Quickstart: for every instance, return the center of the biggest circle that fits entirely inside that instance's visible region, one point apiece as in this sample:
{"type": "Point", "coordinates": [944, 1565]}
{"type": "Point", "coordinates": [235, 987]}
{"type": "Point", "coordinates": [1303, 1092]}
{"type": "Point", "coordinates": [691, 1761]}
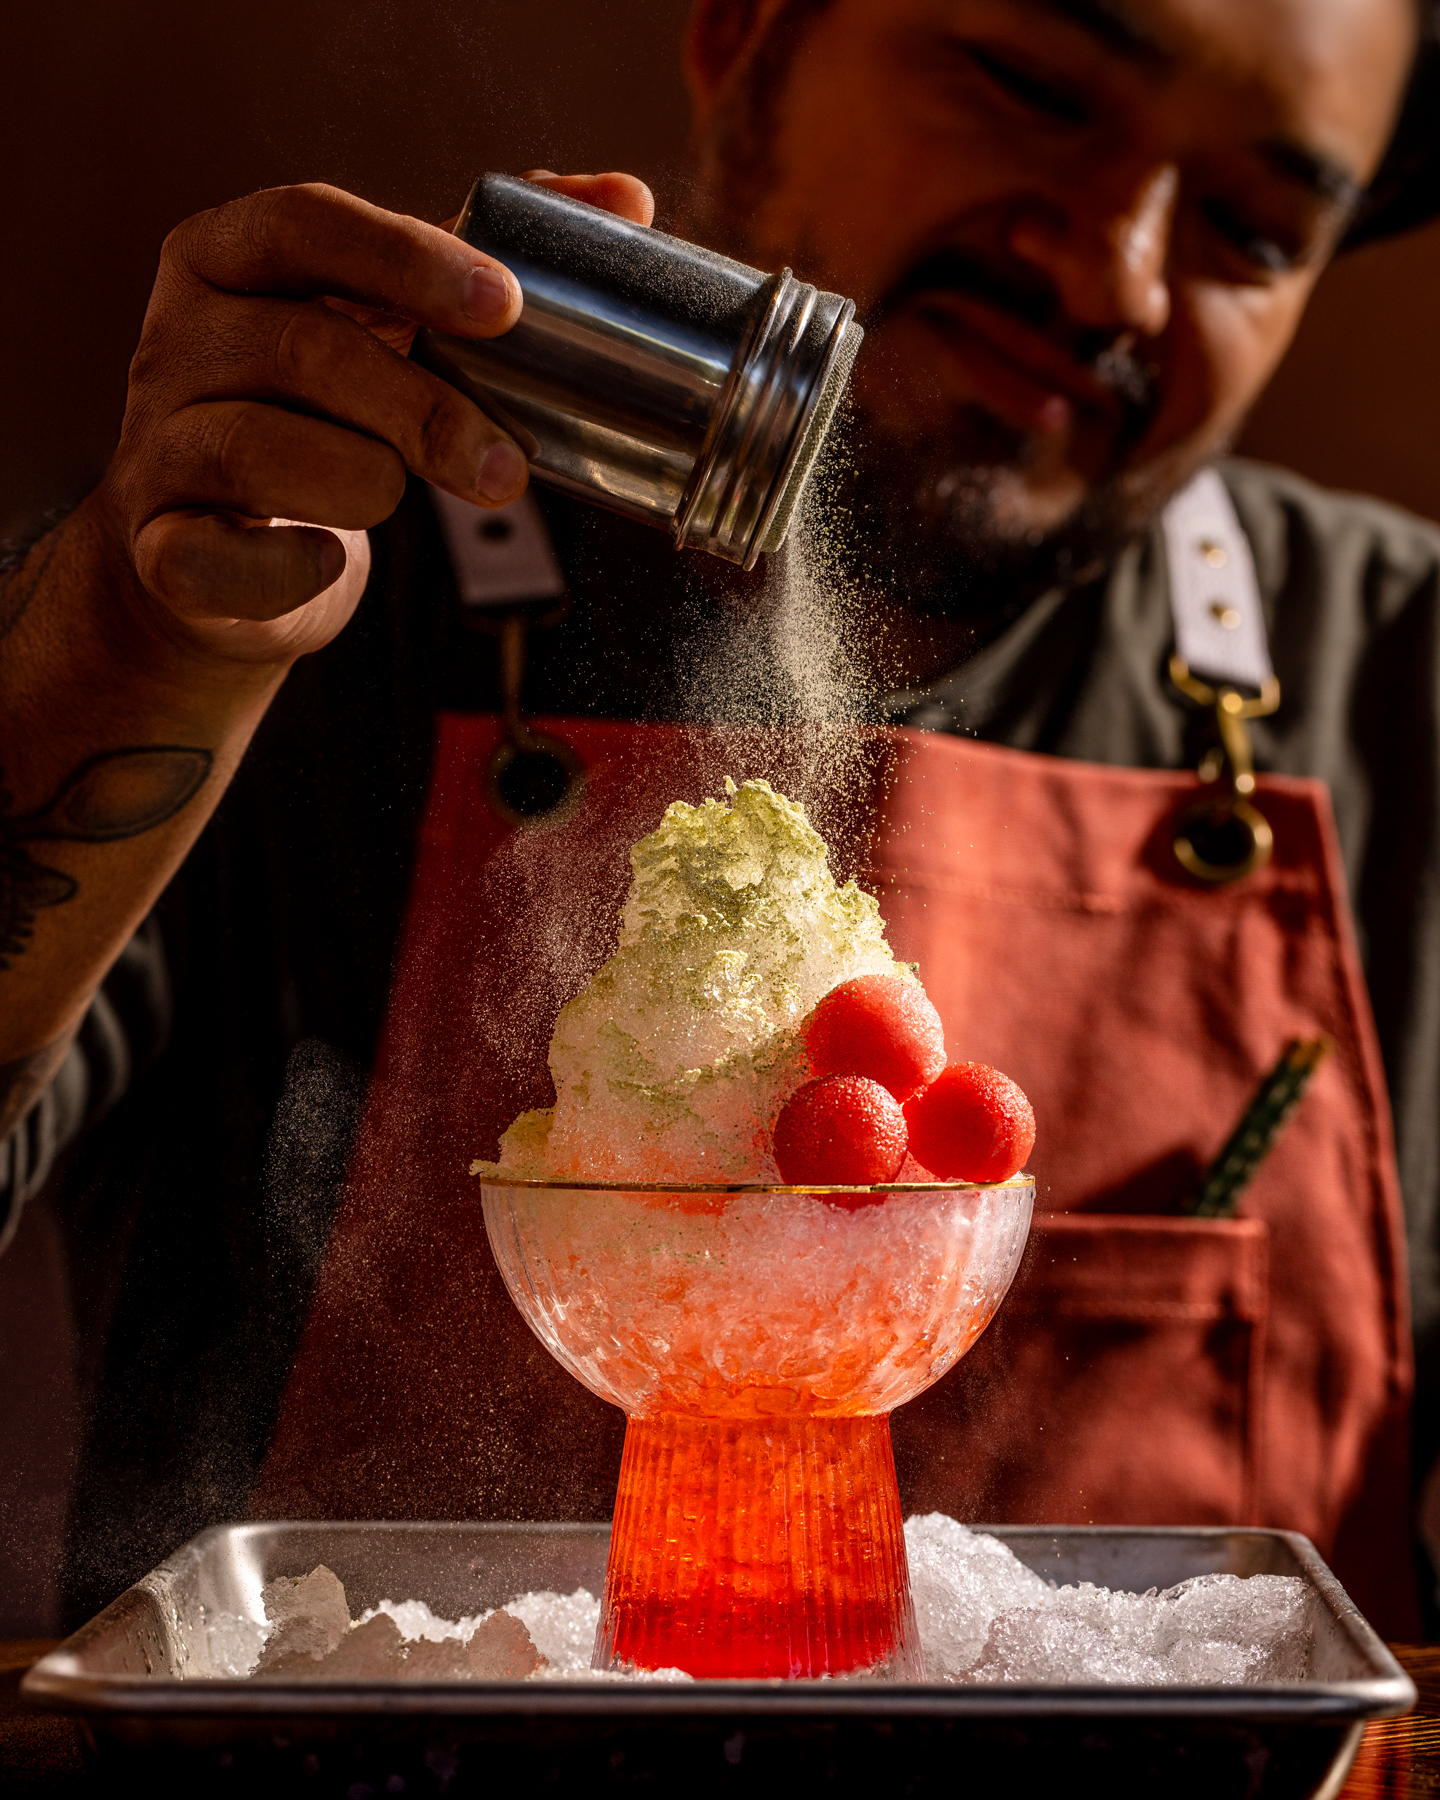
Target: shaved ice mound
{"type": "Point", "coordinates": [672, 1062]}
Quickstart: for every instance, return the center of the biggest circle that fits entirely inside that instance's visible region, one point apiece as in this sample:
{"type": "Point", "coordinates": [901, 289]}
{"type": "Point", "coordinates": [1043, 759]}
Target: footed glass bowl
{"type": "Point", "coordinates": [757, 1338]}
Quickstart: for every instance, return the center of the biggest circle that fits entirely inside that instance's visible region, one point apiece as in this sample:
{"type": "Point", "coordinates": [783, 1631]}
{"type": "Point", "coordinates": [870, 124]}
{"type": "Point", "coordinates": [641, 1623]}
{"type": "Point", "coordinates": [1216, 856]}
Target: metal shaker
{"type": "Point", "coordinates": [649, 375]}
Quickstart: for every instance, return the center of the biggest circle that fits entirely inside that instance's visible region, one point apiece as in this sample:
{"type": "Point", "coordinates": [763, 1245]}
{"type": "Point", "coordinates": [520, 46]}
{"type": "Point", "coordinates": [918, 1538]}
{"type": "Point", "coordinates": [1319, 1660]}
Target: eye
{"type": "Point", "coordinates": [1034, 91]}
{"type": "Point", "coordinates": [1258, 249]}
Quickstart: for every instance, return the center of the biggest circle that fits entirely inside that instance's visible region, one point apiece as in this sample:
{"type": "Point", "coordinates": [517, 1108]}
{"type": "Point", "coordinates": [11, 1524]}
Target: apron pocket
{"type": "Point", "coordinates": [1119, 1383]}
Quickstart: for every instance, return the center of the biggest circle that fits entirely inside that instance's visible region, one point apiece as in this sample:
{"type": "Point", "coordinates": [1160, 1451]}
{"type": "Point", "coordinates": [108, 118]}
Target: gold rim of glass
{"type": "Point", "coordinates": [1019, 1180]}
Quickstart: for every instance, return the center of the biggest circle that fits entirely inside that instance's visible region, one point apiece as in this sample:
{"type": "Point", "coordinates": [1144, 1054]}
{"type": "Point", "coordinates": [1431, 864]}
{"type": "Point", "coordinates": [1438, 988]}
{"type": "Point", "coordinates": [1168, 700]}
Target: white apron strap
{"type": "Point", "coordinates": [1214, 593]}
{"type": "Point", "coordinates": [501, 555]}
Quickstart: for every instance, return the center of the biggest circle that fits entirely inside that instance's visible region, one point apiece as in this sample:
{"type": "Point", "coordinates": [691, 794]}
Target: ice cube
{"type": "Point", "coordinates": [961, 1580]}
{"type": "Point", "coordinates": [309, 1615]}
{"type": "Point", "coordinates": [405, 1640]}
{"type": "Point", "coordinates": [416, 1620]}
{"type": "Point", "coordinates": [374, 1651]}
{"type": "Point", "coordinates": [499, 1648]}
{"type": "Point", "coordinates": [234, 1642]}
{"type": "Point", "coordinates": [427, 1660]}
{"type": "Point", "coordinates": [293, 1648]}
{"type": "Point", "coordinates": [561, 1626]}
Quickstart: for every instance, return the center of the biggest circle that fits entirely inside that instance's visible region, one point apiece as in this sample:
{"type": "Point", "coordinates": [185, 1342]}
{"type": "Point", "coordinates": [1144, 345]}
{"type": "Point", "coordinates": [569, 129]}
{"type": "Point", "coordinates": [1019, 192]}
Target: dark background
{"type": "Point", "coordinates": [121, 119]}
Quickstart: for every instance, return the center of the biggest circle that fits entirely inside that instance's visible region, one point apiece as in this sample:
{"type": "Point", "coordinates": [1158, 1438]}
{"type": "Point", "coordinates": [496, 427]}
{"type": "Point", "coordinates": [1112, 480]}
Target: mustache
{"type": "Point", "coordinates": [1106, 353]}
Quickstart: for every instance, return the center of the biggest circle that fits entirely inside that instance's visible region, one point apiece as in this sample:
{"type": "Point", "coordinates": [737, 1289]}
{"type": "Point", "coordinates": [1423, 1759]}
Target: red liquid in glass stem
{"type": "Point", "coordinates": [758, 1547]}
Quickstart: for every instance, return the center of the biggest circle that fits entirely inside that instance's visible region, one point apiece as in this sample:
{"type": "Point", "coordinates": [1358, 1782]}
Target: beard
{"type": "Point", "coordinates": [932, 518]}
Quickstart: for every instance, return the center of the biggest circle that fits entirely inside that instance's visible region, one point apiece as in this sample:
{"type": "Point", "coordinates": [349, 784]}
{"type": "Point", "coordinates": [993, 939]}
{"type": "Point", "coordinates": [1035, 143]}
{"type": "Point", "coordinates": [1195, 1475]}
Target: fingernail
{"type": "Point", "coordinates": [487, 295]}
{"type": "Point", "coordinates": [333, 559]}
{"type": "Point", "coordinates": [501, 474]}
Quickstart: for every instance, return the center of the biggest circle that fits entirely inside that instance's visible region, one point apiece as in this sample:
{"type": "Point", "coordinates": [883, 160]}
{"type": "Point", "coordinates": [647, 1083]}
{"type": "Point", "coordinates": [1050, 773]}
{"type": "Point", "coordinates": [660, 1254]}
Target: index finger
{"type": "Point", "coordinates": [311, 240]}
{"type": "Point", "coordinates": [626, 195]}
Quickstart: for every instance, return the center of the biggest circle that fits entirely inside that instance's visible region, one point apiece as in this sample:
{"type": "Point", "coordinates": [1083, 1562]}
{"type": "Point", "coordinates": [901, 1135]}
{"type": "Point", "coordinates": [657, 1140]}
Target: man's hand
{"type": "Point", "coordinates": [146, 636]}
{"type": "Point", "coordinates": [272, 385]}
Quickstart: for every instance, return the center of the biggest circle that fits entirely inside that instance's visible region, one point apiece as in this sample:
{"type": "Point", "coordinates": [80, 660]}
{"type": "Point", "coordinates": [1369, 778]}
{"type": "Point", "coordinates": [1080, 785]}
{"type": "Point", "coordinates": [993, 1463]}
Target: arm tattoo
{"type": "Point", "coordinates": [118, 794]}
{"type": "Point", "coordinates": [16, 592]}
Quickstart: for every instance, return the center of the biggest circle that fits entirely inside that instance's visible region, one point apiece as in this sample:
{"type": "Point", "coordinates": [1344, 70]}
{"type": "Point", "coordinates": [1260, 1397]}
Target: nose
{"type": "Point", "coordinates": [1107, 259]}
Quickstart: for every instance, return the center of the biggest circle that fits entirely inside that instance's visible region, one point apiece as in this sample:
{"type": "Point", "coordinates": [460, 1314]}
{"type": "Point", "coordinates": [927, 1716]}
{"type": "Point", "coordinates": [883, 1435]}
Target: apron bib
{"type": "Point", "coordinates": [1146, 1368]}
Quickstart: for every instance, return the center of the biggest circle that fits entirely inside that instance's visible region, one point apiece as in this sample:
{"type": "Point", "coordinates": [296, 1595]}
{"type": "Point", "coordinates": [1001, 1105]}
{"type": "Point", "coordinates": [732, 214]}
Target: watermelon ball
{"type": "Point", "coordinates": [840, 1131]}
{"type": "Point", "coordinates": [879, 1026]}
{"type": "Point", "coordinates": [971, 1124]}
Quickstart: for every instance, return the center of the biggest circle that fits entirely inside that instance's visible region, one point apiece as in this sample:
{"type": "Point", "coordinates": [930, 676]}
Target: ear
{"type": "Point", "coordinates": [721, 37]}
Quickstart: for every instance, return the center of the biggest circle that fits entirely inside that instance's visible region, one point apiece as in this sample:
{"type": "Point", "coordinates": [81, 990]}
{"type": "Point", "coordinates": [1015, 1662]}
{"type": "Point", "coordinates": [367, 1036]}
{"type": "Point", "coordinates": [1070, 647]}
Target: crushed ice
{"type": "Point", "coordinates": [676, 1055]}
{"type": "Point", "coordinates": [536, 1636]}
{"type": "Point", "coordinates": [983, 1617]}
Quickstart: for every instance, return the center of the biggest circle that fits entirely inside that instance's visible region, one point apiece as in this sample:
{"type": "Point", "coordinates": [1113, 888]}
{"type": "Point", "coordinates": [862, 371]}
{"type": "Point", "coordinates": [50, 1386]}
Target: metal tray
{"type": "Point", "coordinates": [137, 1675]}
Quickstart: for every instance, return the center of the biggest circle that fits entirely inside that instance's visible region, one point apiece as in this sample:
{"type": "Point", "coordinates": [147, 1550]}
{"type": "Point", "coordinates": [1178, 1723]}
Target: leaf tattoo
{"type": "Point", "coordinates": [117, 794]}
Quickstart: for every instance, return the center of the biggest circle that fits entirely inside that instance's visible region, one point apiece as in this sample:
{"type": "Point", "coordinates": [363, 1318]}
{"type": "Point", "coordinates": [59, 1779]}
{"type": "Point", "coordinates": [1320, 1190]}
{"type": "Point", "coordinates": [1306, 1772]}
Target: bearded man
{"type": "Point", "coordinates": [1081, 234]}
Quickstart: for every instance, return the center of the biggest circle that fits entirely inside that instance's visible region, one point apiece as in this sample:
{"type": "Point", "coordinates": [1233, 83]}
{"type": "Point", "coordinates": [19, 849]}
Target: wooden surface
{"type": "Point", "coordinates": [40, 1752]}
{"type": "Point", "coordinates": [1400, 1757]}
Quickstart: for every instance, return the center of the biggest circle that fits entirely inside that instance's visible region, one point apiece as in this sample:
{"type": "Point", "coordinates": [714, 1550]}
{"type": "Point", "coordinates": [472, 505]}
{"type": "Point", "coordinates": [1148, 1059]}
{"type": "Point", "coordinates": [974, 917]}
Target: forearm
{"type": "Point", "coordinates": [142, 642]}
{"type": "Point", "coordinates": [117, 739]}
{"type": "Point", "coordinates": [124, 1029]}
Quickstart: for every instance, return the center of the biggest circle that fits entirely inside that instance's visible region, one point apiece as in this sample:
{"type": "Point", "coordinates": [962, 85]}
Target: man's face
{"type": "Point", "coordinates": [1080, 234]}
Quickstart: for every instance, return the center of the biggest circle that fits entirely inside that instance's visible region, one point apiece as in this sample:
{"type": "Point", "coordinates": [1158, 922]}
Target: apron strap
{"type": "Point", "coordinates": [1214, 593]}
{"type": "Point", "coordinates": [502, 555]}
{"type": "Point", "coordinates": [509, 581]}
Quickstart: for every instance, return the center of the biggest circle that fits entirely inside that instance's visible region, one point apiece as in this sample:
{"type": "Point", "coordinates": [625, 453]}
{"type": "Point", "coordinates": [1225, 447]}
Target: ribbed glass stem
{"type": "Point", "coordinates": [758, 1547]}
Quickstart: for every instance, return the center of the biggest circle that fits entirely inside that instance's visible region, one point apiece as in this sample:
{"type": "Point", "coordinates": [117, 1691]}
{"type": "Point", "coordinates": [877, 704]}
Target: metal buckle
{"type": "Point", "coordinates": [1225, 837]}
{"type": "Point", "coordinates": [532, 778]}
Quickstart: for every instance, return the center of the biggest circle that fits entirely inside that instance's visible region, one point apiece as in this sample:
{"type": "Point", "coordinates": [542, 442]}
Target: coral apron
{"type": "Point", "coordinates": [1146, 1368]}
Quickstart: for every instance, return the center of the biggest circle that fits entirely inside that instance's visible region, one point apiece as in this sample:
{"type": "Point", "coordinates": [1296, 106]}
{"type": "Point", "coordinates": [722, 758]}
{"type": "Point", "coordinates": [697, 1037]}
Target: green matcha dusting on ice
{"type": "Point", "coordinates": [673, 1061]}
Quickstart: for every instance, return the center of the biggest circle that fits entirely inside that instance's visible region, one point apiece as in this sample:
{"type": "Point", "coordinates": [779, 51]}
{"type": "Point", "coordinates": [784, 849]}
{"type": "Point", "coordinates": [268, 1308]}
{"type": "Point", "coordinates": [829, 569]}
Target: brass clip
{"type": "Point", "coordinates": [533, 778]}
{"type": "Point", "coordinates": [1225, 837]}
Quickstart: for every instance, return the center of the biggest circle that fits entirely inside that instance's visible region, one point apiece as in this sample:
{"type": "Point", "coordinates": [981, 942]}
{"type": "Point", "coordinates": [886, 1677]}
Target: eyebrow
{"type": "Point", "coordinates": [1115, 26]}
{"type": "Point", "coordinates": [1313, 169]}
